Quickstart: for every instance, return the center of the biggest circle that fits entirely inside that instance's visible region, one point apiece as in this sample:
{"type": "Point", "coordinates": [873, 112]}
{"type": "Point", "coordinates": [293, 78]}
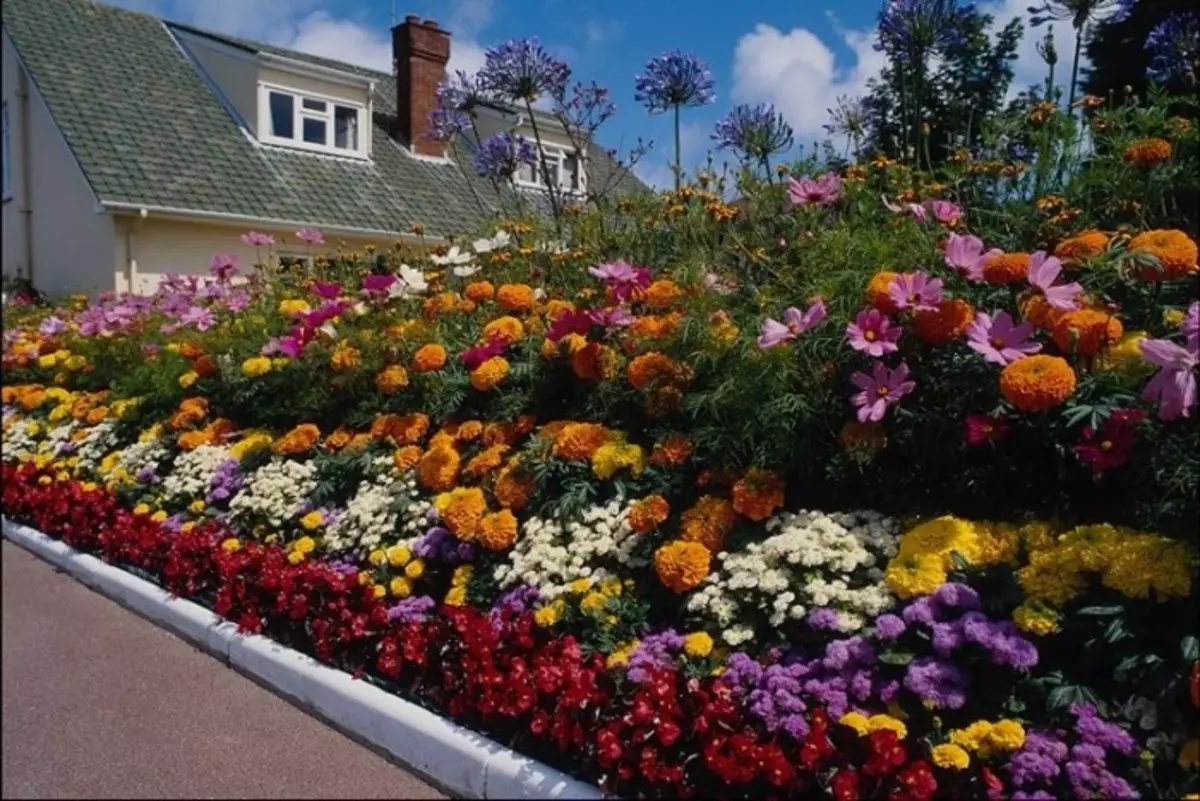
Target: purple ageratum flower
{"type": "Point", "coordinates": [757, 132]}
{"type": "Point", "coordinates": [872, 333]}
{"type": "Point", "coordinates": [889, 627]}
{"type": "Point", "coordinates": [257, 239]}
{"type": "Point", "coordinates": [1000, 341]}
{"type": "Point", "coordinates": [938, 682]}
{"type": "Point", "coordinates": [823, 191]}
{"type": "Point", "coordinates": [823, 619]}
{"type": "Point", "coordinates": [655, 650]}
{"type": "Point", "coordinates": [1174, 385]}
{"type": "Point", "coordinates": [1043, 272]}
{"type": "Point", "coordinates": [795, 323]}
{"type": "Point", "coordinates": [1174, 47]}
{"type": "Point", "coordinates": [523, 70]}
{"type": "Point", "coordinates": [438, 544]}
{"type": "Point", "coordinates": [517, 601]}
{"type": "Point", "coordinates": [310, 236]}
{"type": "Point", "coordinates": [411, 610]}
{"type": "Point", "coordinates": [882, 388]}
{"type": "Point", "coordinates": [965, 254]}
{"type": "Point", "coordinates": [953, 595]}
{"type": "Point", "coordinates": [1096, 731]}
{"type": "Point", "coordinates": [673, 80]}
{"type": "Point", "coordinates": [499, 155]}
{"type": "Point", "coordinates": [915, 291]}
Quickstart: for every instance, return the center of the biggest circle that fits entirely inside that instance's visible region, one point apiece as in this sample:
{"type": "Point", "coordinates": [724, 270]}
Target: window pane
{"type": "Point", "coordinates": [345, 127]}
{"type": "Point", "coordinates": [571, 168]}
{"type": "Point", "coordinates": [525, 172]}
{"type": "Point", "coordinates": [314, 131]}
{"type": "Point", "coordinates": [314, 105]}
{"type": "Point", "coordinates": [283, 119]}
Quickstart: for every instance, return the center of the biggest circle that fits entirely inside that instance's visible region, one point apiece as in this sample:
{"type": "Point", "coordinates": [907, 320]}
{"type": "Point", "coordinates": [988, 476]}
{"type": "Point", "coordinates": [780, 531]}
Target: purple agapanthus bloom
{"type": "Point", "coordinates": [919, 26]}
{"type": "Point", "coordinates": [674, 80]}
{"type": "Point", "coordinates": [1174, 47]}
{"type": "Point", "coordinates": [757, 132]}
{"type": "Point", "coordinates": [499, 155]}
{"type": "Point", "coordinates": [523, 70]}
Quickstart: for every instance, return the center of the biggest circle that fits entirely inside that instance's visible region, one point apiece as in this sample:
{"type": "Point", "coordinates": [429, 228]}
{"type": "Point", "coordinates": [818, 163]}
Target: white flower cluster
{"type": "Point", "coordinates": [149, 454]}
{"type": "Point", "coordinates": [274, 493]}
{"type": "Point", "coordinates": [19, 438]}
{"type": "Point", "coordinates": [100, 440]}
{"type": "Point", "coordinates": [193, 472]}
{"type": "Point", "coordinates": [384, 504]}
{"type": "Point", "coordinates": [57, 436]}
{"type": "Point", "coordinates": [811, 561]}
{"type": "Point", "coordinates": [550, 555]}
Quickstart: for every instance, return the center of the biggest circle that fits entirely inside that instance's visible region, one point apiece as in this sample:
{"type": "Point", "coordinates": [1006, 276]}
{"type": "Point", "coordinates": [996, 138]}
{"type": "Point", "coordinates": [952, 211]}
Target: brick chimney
{"type": "Point", "coordinates": [421, 51]}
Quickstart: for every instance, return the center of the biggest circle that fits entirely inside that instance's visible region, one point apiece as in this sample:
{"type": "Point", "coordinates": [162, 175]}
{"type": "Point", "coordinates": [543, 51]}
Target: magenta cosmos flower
{"type": "Point", "coordinates": [965, 254]}
{"type": "Point", "coordinates": [1191, 327]}
{"type": "Point", "coordinates": [622, 277]}
{"type": "Point", "coordinates": [1174, 385]}
{"type": "Point", "coordinates": [944, 211]}
{"type": "Point", "coordinates": [872, 333]}
{"type": "Point", "coordinates": [257, 239]}
{"type": "Point", "coordinates": [310, 236]}
{"type": "Point", "coordinates": [915, 210]}
{"type": "Point", "coordinates": [880, 389]}
{"type": "Point", "coordinates": [998, 340]}
{"type": "Point", "coordinates": [1043, 272]}
{"type": "Point", "coordinates": [824, 191]}
{"type": "Point", "coordinates": [794, 324]}
{"type": "Point", "coordinates": [915, 291]}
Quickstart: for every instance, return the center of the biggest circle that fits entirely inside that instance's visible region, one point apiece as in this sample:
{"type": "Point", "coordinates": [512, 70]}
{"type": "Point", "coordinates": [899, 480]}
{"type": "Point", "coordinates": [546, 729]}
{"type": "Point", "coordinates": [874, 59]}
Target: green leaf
{"type": "Point", "coordinates": [1101, 611]}
{"type": "Point", "coordinates": [899, 658]}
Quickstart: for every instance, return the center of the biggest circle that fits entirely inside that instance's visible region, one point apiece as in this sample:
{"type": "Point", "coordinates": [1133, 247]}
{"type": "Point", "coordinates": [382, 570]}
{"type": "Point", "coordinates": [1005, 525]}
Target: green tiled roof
{"type": "Point", "coordinates": [147, 130]}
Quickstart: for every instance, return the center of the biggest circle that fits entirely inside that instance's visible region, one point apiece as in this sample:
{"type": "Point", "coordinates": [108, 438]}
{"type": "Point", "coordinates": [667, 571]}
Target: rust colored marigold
{"type": "Point", "coordinates": [501, 433]}
{"type": "Point", "coordinates": [596, 362]}
{"type": "Point", "coordinates": [299, 440]}
{"type": "Point", "coordinates": [1037, 383]}
{"type": "Point", "coordinates": [338, 439]}
{"type": "Point", "coordinates": [504, 329]}
{"type": "Point", "coordinates": [879, 291]}
{"type": "Point", "coordinates": [1147, 152]}
{"type": "Point", "coordinates": [867, 439]}
{"type": "Point", "coordinates": [480, 291]}
{"type": "Point", "coordinates": [438, 469]}
{"type": "Point", "coordinates": [1086, 332]}
{"type": "Point", "coordinates": [655, 326]}
{"type": "Point", "coordinates": [1081, 247]}
{"type": "Point", "coordinates": [945, 324]}
{"type": "Point", "coordinates": [576, 442]}
{"type": "Point", "coordinates": [649, 513]}
{"type": "Point", "coordinates": [489, 374]}
{"type": "Point", "coordinates": [407, 458]}
{"type": "Point", "coordinates": [652, 368]}
{"type": "Point", "coordinates": [662, 294]}
{"type": "Point", "coordinates": [484, 462]}
{"type": "Point", "coordinates": [758, 494]}
{"type": "Point", "coordinates": [345, 357]}
{"type": "Point", "coordinates": [1006, 268]}
{"type": "Point", "coordinates": [462, 509]}
{"type": "Point", "coordinates": [514, 485]}
{"type": "Point", "coordinates": [498, 530]}
{"type": "Point", "coordinates": [392, 378]}
{"type": "Point", "coordinates": [1174, 249]}
{"type": "Point", "coordinates": [429, 358]}
{"type": "Point", "coordinates": [681, 565]}
{"type": "Point", "coordinates": [673, 451]}
{"type": "Point", "coordinates": [708, 522]}
{"type": "Point", "coordinates": [515, 297]}
{"type": "Point", "coordinates": [469, 430]}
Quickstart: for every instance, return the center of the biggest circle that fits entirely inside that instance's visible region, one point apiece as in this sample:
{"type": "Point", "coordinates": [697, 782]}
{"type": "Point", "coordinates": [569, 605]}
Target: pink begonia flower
{"type": "Point", "coordinates": [879, 390]}
{"type": "Point", "coordinates": [915, 209]}
{"type": "Point", "coordinates": [257, 239]}
{"type": "Point", "coordinates": [224, 266]}
{"type": "Point", "coordinates": [824, 191]}
{"type": "Point", "coordinates": [915, 291]}
{"type": "Point", "coordinates": [795, 323]}
{"type": "Point", "coordinates": [310, 236]}
{"type": "Point", "coordinates": [998, 340]}
{"type": "Point", "coordinates": [872, 333]}
{"type": "Point", "coordinates": [1043, 272]}
{"type": "Point", "coordinates": [944, 211]}
{"type": "Point", "coordinates": [965, 254]}
{"type": "Point", "coordinates": [1174, 385]}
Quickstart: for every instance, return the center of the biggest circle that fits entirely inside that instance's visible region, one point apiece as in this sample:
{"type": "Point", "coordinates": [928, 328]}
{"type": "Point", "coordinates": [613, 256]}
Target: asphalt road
{"type": "Point", "coordinates": [99, 703]}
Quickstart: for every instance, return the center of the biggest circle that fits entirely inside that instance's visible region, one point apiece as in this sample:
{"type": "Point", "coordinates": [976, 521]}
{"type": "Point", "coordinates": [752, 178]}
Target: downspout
{"type": "Point", "coordinates": [131, 250]}
{"type": "Point", "coordinates": [26, 208]}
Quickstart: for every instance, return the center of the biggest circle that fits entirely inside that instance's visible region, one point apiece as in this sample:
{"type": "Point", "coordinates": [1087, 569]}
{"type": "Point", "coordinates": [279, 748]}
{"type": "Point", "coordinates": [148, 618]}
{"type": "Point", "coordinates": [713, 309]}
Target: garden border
{"type": "Point", "coordinates": [450, 756]}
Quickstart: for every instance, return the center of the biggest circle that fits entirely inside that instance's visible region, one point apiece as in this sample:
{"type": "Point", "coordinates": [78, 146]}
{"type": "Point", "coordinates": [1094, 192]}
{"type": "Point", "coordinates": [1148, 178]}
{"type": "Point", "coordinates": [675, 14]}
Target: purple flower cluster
{"type": "Point", "coordinates": [675, 79]}
{"type": "Point", "coordinates": [438, 544]}
{"type": "Point", "coordinates": [1045, 757]}
{"type": "Point", "coordinates": [522, 69]}
{"type": "Point", "coordinates": [951, 615]}
{"type": "Point", "coordinates": [1174, 47]}
{"type": "Point", "coordinates": [921, 26]}
{"type": "Point", "coordinates": [411, 610]}
{"type": "Point", "coordinates": [456, 98]}
{"type": "Point", "coordinates": [655, 650]}
{"type": "Point", "coordinates": [757, 132]}
{"type": "Point", "coordinates": [516, 601]}
{"type": "Point", "coordinates": [499, 155]}
{"type": "Point", "coordinates": [225, 483]}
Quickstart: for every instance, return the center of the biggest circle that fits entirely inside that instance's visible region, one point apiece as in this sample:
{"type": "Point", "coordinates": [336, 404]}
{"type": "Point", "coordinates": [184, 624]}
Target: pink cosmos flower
{"type": "Point", "coordinates": [377, 283]}
{"type": "Point", "coordinates": [1191, 327]}
{"type": "Point", "coordinates": [1110, 447]}
{"type": "Point", "coordinates": [571, 321]}
{"type": "Point", "coordinates": [612, 317]}
{"type": "Point", "coordinates": [965, 254]}
{"type": "Point", "coordinates": [981, 428]}
{"type": "Point", "coordinates": [915, 291]}
{"type": "Point", "coordinates": [872, 333]}
{"type": "Point", "coordinates": [310, 236]}
{"type": "Point", "coordinates": [1174, 385]}
{"type": "Point", "coordinates": [944, 211]}
{"type": "Point", "coordinates": [795, 323]}
{"type": "Point", "coordinates": [51, 326]}
{"type": "Point", "coordinates": [824, 191]}
{"type": "Point", "coordinates": [474, 357]}
{"type": "Point", "coordinates": [1043, 272]}
{"type": "Point", "coordinates": [237, 301]}
{"type": "Point", "coordinates": [916, 210]}
{"type": "Point", "coordinates": [224, 266]}
{"type": "Point", "coordinates": [327, 289]}
{"type": "Point", "coordinates": [198, 316]}
{"type": "Point", "coordinates": [257, 239]}
{"type": "Point", "coordinates": [623, 277]}
{"type": "Point", "coordinates": [998, 340]}
{"type": "Point", "coordinates": [880, 389]}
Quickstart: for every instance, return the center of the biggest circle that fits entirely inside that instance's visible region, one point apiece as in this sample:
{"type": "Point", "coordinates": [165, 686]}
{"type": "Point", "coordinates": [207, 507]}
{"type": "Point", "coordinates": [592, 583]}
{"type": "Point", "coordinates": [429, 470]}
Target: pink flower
{"type": "Point", "coordinates": [965, 254]}
{"type": "Point", "coordinates": [327, 289]}
{"type": "Point", "coordinates": [1191, 327]}
{"type": "Point", "coordinates": [474, 357]}
{"type": "Point", "coordinates": [824, 191]}
{"type": "Point", "coordinates": [879, 390]}
{"type": "Point", "coordinates": [377, 283]}
{"type": "Point", "coordinates": [795, 323]}
{"type": "Point", "coordinates": [872, 333]}
{"type": "Point", "coordinates": [571, 321]}
{"type": "Point", "coordinates": [612, 317]}
{"type": "Point", "coordinates": [224, 266]}
{"type": "Point", "coordinates": [915, 209]}
{"type": "Point", "coordinates": [915, 291]}
{"type": "Point", "coordinates": [622, 277]}
{"type": "Point", "coordinates": [1043, 272]}
{"type": "Point", "coordinates": [983, 428]}
{"type": "Point", "coordinates": [310, 236]}
{"type": "Point", "coordinates": [257, 239]}
{"type": "Point", "coordinates": [1174, 385]}
{"type": "Point", "coordinates": [1110, 447]}
{"type": "Point", "coordinates": [944, 211]}
{"type": "Point", "coordinates": [998, 340]}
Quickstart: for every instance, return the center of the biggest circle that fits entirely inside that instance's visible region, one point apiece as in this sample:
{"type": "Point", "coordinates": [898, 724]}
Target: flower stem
{"type": "Point", "coordinates": [678, 157]}
{"type": "Point", "coordinates": [545, 167]}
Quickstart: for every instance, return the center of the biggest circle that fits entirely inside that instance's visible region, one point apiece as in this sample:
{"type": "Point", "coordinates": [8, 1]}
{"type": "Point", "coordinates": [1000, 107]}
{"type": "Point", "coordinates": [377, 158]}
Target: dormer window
{"type": "Point", "coordinates": [565, 171]}
{"type": "Point", "coordinates": [312, 122]}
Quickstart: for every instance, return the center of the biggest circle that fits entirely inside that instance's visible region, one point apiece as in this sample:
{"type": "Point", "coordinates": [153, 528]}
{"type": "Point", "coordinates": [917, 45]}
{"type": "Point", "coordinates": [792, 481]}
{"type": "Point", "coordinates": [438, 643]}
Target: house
{"type": "Point", "coordinates": [134, 147]}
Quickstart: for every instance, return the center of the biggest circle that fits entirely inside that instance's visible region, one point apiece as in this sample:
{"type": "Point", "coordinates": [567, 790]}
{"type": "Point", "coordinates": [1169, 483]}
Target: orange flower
{"type": "Point", "coordinates": [96, 416]}
{"type": "Point", "coordinates": [338, 439]}
{"type": "Point", "coordinates": [662, 294]}
{"type": "Point", "coordinates": [462, 509]}
{"type": "Point", "coordinates": [514, 485]}
{"type": "Point", "coordinates": [485, 461]}
{"type": "Point", "coordinates": [879, 291]}
{"type": "Point", "coordinates": [515, 298]}
{"type": "Point", "coordinates": [429, 358]}
{"type": "Point", "coordinates": [1147, 152]}
{"type": "Point", "coordinates": [1174, 249]}
{"type": "Point", "coordinates": [358, 442]}
{"type": "Point", "coordinates": [758, 494]}
{"type": "Point", "coordinates": [673, 451]}
{"type": "Point", "coordinates": [681, 565]}
{"type": "Point", "coordinates": [578, 441]}
{"type": "Point", "coordinates": [1086, 332]}
{"type": "Point", "coordinates": [391, 379]}
{"type": "Point", "coordinates": [596, 362]}
{"type": "Point", "coordinates": [945, 324]}
{"type": "Point", "coordinates": [498, 530]}
{"type": "Point", "coordinates": [345, 357]}
{"type": "Point", "coordinates": [205, 367]}
{"type": "Point", "coordinates": [406, 458]}
{"type": "Point", "coordinates": [1006, 268]}
{"type": "Point", "coordinates": [193, 439]}
{"type": "Point", "coordinates": [190, 350]}
{"type": "Point", "coordinates": [442, 303]}
{"type": "Point", "coordinates": [866, 439]}
{"type": "Point", "coordinates": [487, 375]}
{"type": "Point", "coordinates": [556, 308]}
{"type": "Point", "coordinates": [708, 522]}
{"type": "Point", "coordinates": [648, 513]}
{"type": "Point", "coordinates": [1037, 383]}
{"type": "Point", "coordinates": [410, 429]}
{"type": "Point", "coordinates": [655, 326]}
{"type": "Point", "coordinates": [299, 440]}
{"type": "Point", "coordinates": [652, 368]}
{"type": "Point", "coordinates": [504, 329]}
{"type": "Point", "coordinates": [479, 291]}
{"type": "Point", "coordinates": [1081, 247]}
{"type": "Point", "coordinates": [1038, 311]}
{"type": "Point", "coordinates": [499, 434]}
{"type": "Point", "coordinates": [469, 430]}
{"type": "Point", "coordinates": [549, 349]}
{"type": "Point", "coordinates": [438, 469]}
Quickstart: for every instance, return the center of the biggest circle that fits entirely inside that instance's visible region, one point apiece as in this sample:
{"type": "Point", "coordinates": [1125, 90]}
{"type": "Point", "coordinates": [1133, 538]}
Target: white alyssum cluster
{"type": "Point", "coordinates": [57, 437]}
{"type": "Point", "coordinates": [19, 438]}
{"type": "Point", "coordinates": [151, 453]}
{"type": "Point", "coordinates": [550, 554]}
{"type": "Point", "coordinates": [386, 504]}
{"type": "Point", "coordinates": [100, 440]}
{"type": "Point", "coordinates": [192, 473]}
{"type": "Point", "coordinates": [274, 493]}
{"type": "Point", "coordinates": [812, 560]}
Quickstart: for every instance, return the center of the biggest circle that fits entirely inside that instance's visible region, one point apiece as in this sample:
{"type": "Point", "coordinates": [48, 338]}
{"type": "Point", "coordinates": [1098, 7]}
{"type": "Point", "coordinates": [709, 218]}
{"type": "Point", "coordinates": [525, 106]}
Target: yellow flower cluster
{"type": "Point", "coordinates": [457, 596]}
{"type": "Point", "coordinates": [619, 658]}
{"type": "Point", "coordinates": [865, 725]}
{"type": "Point", "coordinates": [988, 739]}
{"type": "Point", "coordinates": [927, 552]}
{"type": "Point", "coordinates": [300, 549]}
{"type": "Point", "coordinates": [949, 756]}
{"type": "Point", "coordinates": [612, 457]}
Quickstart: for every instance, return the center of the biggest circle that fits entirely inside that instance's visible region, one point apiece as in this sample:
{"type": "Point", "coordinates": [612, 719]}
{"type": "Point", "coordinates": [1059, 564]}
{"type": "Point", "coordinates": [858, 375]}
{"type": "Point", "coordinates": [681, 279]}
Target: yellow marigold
{"type": "Point", "coordinates": [515, 298]}
{"type": "Point", "coordinates": [429, 358]}
{"type": "Point", "coordinates": [698, 645]}
{"type": "Point", "coordinates": [1147, 152]}
{"type": "Point", "coordinates": [252, 442]}
{"type": "Point", "coordinates": [577, 442]}
{"type": "Point", "coordinates": [1125, 357]}
{"type": "Point", "coordinates": [996, 544]}
{"type": "Point", "coordinates": [457, 596]}
{"type": "Point", "coordinates": [757, 494]}
{"type": "Point", "coordinates": [856, 721]}
{"type": "Point", "coordinates": [479, 291]}
{"type": "Point", "coordinates": [188, 378]}
{"type": "Point", "coordinates": [1006, 268]}
{"type": "Point", "coordinates": [400, 587]}
{"type": "Point", "coordinates": [942, 536]}
{"type": "Point", "coordinates": [879, 291]}
{"type": "Point", "coordinates": [498, 530]}
{"type": "Point", "coordinates": [1081, 247]}
{"type": "Point", "coordinates": [682, 565]}
{"type": "Point", "coordinates": [914, 575]}
{"type": "Point", "coordinates": [1086, 331]}
{"type": "Point", "coordinates": [620, 657]}
{"type": "Point", "coordinates": [1037, 383]}
{"type": "Point", "coordinates": [593, 603]}
{"type": "Point", "coordinates": [652, 368]}
{"type": "Point", "coordinates": [293, 307]}
{"type": "Point", "coordinates": [672, 451]}
{"type": "Point", "coordinates": [504, 329]}
{"type": "Point", "coordinates": [438, 468]}
{"type": "Point", "coordinates": [299, 440]}
{"type": "Point", "coordinates": [1174, 250]}
{"type": "Point", "coordinates": [514, 486]}
{"type": "Point", "coordinates": [397, 556]}
{"type": "Point", "coordinates": [256, 366]}
{"type": "Point", "coordinates": [1036, 618]}
{"type": "Point", "coordinates": [312, 521]}
{"type": "Point", "coordinates": [595, 362]}
{"type": "Point", "coordinates": [414, 569]}
{"type": "Point", "coordinates": [612, 457]}
{"type": "Point", "coordinates": [888, 723]}
{"type": "Point", "coordinates": [1144, 566]}
{"type": "Point", "coordinates": [662, 294]}
{"type": "Point", "coordinates": [392, 378]}
{"type": "Point", "coordinates": [649, 513]}
{"type": "Point", "coordinates": [945, 324]}
{"type": "Point", "coordinates": [462, 509]}
{"type": "Point", "coordinates": [550, 614]}
{"type": "Point", "coordinates": [487, 375]}
{"type": "Point", "coordinates": [949, 756]}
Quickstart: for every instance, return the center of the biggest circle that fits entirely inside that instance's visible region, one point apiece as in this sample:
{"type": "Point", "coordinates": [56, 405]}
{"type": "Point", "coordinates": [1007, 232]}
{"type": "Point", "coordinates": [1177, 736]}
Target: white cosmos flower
{"type": "Point", "coordinates": [454, 256]}
{"type": "Point", "coordinates": [411, 282]}
{"type": "Point", "coordinates": [466, 270]}
{"type": "Point", "coordinates": [500, 240]}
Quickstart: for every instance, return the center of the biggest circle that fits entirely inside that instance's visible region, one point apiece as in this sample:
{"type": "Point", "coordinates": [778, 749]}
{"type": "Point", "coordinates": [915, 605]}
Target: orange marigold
{"type": "Point", "coordinates": [429, 358]}
{"type": "Point", "coordinates": [462, 509]}
{"type": "Point", "coordinates": [866, 439]}
{"type": "Point", "coordinates": [758, 494]}
{"type": "Point", "coordinates": [345, 357]}
{"type": "Point", "coordinates": [648, 513]}
{"type": "Point", "coordinates": [879, 291]}
{"type": "Point", "coordinates": [498, 530]}
{"type": "Point", "coordinates": [514, 485]}
{"type": "Point", "coordinates": [487, 375]}
{"type": "Point", "coordinates": [1038, 311]}
{"type": "Point", "coordinates": [469, 430]}
{"type": "Point", "coordinates": [410, 428]}
{"type": "Point", "coordinates": [191, 440]}
{"type": "Point", "coordinates": [499, 434]}
{"type": "Point", "coordinates": [673, 451]}
{"type": "Point", "coordinates": [682, 565]}
{"type": "Point", "coordinates": [438, 469]}
{"type": "Point", "coordinates": [406, 458]}
{"type": "Point", "coordinates": [338, 439]}
{"type": "Point", "coordinates": [504, 329]}
{"type": "Point", "coordinates": [392, 378]}
{"type": "Point", "coordinates": [708, 522]}
{"type": "Point", "coordinates": [662, 294]}
{"type": "Point", "coordinates": [654, 326]}
{"type": "Point", "coordinates": [484, 462]}
{"type": "Point", "coordinates": [1037, 383]}
{"type": "Point", "coordinates": [1147, 152]}
{"type": "Point", "coordinates": [556, 308]}
{"type": "Point", "coordinates": [1081, 247]}
{"type": "Point", "coordinates": [945, 324]}
{"type": "Point", "coordinates": [515, 297]}
{"type": "Point", "coordinates": [299, 440]}
{"type": "Point", "coordinates": [1174, 249]}
{"type": "Point", "coordinates": [479, 291]}
{"type": "Point", "coordinates": [96, 416]}
{"type": "Point", "coordinates": [1086, 331]}
{"type": "Point", "coordinates": [576, 442]}
{"type": "Point", "coordinates": [359, 442]}
{"type": "Point", "coordinates": [596, 362]}
{"type": "Point", "coordinates": [1006, 268]}
{"type": "Point", "coordinates": [442, 303]}
{"type": "Point", "coordinates": [652, 368]}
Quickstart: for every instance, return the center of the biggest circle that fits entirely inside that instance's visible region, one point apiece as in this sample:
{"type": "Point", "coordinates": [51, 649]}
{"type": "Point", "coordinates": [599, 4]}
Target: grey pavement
{"type": "Point", "coordinates": [99, 703]}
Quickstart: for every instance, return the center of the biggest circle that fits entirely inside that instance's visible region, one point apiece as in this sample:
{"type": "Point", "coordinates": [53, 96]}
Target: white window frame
{"type": "Point", "coordinates": [556, 156]}
{"type": "Point", "coordinates": [6, 135]}
{"type": "Point", "coordinates": [299, 114]}
{"type": "Point", "coordinates": [295, 255]}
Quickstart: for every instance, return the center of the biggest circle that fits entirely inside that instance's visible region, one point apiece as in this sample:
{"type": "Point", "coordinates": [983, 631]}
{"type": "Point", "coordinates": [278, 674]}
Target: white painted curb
{"type": "Point", "coordinates": [457, 759]}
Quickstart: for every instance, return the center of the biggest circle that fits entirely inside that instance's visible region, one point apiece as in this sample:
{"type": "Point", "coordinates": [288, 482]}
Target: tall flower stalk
{"type": "Point", "coordinates": [670, 82]}
{"type": "Point", "coordinates": [1079, 13]}
{"type": "Point", "coordinates": [757, 132]}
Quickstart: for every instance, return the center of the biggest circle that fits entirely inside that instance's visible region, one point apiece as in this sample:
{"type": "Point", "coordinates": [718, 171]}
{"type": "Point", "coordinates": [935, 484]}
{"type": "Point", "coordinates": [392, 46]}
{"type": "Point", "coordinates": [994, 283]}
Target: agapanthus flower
{"type": "Point", "coordinates": [918, 26]}
{"type": "Point", "coordinates": [981, 428]}
{"type": "Point", "coordinates": [1174, 385]}
{"type": "Point", "coordinates": [795, 323]}
{"type": "Point", "coordinates": [915, 291]}
{"type": "Point", "coordinates": [873, 333]}
{"type": "Point", "coordinates": [1174, 46]}
{"type": "Point", "coordinates": [499, 155]}
{"type": "Point", "coordinates": [310, 236]}
{"type": "Point", "coordinates": [757, 132]}
{"type": "Point", "coordinates": [823, 191]}
{"type": "Point", "coordinates": [880, 389]}
{"type": "Point", "coordinates": [1109, 447]}
{"type": "Point", "coordinates": [1043, 272]}
{"type": "Point", "coordinates": [1077, 12]}
{"type": "Point", "coordinates": [522, 69]}
{"type": "Point", "coordinates": [966, 254]}
{"type": "Point", "coordinates": [673, 80]}
{"type": "Point", "coordinates": [999, 340]}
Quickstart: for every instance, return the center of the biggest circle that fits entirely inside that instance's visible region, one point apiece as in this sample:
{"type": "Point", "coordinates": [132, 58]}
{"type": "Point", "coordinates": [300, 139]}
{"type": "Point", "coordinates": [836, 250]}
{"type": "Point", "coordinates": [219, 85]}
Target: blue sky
{"type": "Point", "coordinates": [799, 55]}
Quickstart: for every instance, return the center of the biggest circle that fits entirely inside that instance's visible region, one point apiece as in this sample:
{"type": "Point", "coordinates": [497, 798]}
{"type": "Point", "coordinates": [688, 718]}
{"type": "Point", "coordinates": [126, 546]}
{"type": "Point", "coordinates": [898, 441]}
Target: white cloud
{"type": "Point", "coordinates": [597, 32]}
{"type": "Point", "coordinates": [343, 40]}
